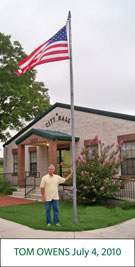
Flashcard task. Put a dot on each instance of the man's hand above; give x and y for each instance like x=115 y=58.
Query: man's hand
x=69 y=176
x=43 y=194
x=71 y=172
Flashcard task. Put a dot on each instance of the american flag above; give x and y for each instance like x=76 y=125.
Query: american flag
x=54 y=49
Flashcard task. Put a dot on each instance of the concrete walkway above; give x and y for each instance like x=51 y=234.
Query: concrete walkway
x=10 y=229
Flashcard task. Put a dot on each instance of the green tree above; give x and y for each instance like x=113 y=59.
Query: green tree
x=97 y=171
x=22 y=98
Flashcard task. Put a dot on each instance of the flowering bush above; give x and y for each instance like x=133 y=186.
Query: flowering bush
x=96 y=171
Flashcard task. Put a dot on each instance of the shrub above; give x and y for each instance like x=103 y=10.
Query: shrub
x=96 y=172
x=126 y=205
x=6 y=188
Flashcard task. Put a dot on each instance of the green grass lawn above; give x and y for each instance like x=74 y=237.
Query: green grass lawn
x=88 y=218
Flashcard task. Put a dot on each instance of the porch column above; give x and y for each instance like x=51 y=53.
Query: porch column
x=52 y=154
x=21 y=162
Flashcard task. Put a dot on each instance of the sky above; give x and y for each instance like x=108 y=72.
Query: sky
x=103 y=47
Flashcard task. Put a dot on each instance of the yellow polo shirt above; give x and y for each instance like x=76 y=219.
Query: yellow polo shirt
x=50 y=184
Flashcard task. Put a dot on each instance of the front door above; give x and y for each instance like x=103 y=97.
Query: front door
x=63 y=161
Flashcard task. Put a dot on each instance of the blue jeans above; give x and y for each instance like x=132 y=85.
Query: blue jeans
x=55 y=204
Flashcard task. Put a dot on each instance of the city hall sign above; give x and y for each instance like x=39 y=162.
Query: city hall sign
x=57 y=118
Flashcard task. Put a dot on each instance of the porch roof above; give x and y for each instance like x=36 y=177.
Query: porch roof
x=51 y=135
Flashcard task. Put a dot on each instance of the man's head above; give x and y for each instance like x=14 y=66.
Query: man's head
x=51 y=169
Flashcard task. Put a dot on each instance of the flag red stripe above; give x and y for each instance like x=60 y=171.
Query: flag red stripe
x=56 y=45
x=55 y=52
x=43 y=52
x=46 y=60
x=49 y=60
x=32 y=54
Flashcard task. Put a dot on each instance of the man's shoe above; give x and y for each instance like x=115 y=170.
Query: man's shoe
x=48 y=224
x=57 y=224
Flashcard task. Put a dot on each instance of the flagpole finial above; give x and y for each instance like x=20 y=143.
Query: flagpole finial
x=69 y=15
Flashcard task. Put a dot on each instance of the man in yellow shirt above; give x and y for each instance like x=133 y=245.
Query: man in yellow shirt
x=49 y=190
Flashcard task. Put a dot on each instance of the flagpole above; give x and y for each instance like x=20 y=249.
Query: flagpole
x=72 y=120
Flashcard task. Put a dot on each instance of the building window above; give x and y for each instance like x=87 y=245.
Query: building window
x=15 y=163
x=128 y=165
x=91 y=145
x=33 y=162
x=91 y=149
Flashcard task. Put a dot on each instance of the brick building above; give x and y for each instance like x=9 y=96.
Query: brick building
x=34 y=147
